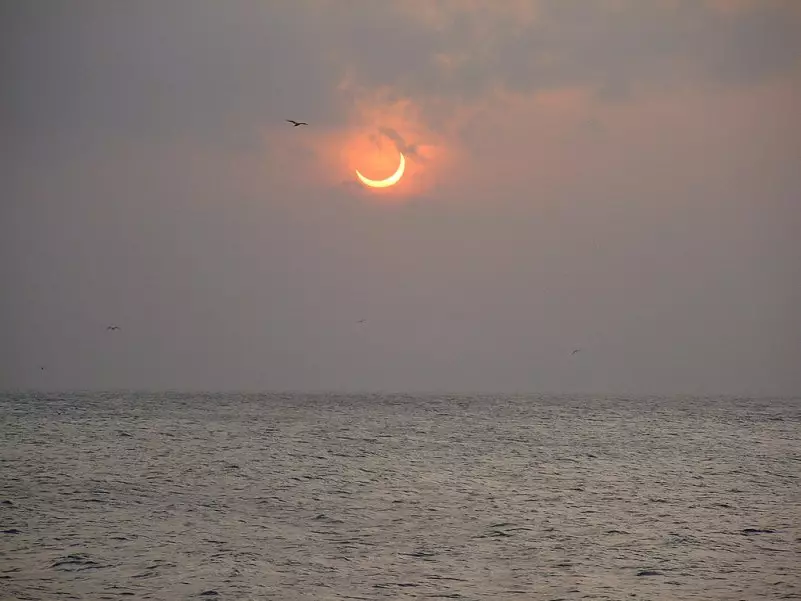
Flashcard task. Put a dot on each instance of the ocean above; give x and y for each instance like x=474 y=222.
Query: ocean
x=320 y=497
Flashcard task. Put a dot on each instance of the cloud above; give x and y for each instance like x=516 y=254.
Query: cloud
x=621 y=173
x=410 y=150
x=217 y=71
x=464 y=50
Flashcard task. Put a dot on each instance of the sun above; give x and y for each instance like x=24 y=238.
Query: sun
x=385 y=183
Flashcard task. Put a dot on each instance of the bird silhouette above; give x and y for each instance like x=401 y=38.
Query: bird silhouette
x=361 y=321
x=296 y=123
x=113 y=328
x=575 y=351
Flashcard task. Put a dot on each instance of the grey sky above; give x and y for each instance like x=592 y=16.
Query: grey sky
x=620 y=176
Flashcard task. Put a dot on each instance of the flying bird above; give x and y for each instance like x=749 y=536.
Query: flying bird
x=361 y=321
x=575 y=351
x=296 y=123
x=113 y=328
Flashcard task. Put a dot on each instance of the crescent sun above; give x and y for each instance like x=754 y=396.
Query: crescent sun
x=384 y=183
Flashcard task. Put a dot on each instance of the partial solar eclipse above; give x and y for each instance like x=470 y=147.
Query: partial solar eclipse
x=384 y=183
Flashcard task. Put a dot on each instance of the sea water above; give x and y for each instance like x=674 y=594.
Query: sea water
x=320 y=497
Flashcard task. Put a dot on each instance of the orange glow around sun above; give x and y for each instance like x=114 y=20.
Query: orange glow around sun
x=382 y=127
x=377 y=130
x=373 y=154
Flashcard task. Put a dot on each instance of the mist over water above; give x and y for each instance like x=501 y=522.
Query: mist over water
x=294 y=497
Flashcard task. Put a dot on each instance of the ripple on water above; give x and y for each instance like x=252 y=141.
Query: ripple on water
x=173 y=496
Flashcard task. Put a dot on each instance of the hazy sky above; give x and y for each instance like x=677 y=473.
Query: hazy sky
x=620 y=176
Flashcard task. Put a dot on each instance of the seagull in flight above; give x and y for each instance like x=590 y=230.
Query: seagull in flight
x=296 y=123
x=361 y=321
x=575 y=351
x=113 y=328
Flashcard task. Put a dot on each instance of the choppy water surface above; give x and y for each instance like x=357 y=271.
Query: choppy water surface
x=173 y=496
